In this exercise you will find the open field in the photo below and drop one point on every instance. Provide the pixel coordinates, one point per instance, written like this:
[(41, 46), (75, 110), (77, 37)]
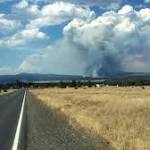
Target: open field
[(119, 115)]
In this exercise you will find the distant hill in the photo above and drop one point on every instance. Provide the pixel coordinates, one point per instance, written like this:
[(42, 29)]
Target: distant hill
[(117, 75), (50, 77), (131, 75), (36, 77)]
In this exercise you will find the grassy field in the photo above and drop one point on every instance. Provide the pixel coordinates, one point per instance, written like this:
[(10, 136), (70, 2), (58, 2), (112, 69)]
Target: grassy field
[(120, 115)]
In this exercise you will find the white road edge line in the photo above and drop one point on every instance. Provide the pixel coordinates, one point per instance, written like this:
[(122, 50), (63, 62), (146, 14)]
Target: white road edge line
[(16, 139)]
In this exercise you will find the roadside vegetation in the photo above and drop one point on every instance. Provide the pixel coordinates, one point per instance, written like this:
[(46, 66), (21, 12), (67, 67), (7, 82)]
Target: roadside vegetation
[(3, 91), (49, 129), (120, 115)]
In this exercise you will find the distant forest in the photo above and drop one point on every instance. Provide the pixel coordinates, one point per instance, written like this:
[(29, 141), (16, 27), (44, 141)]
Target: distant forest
[(74, 83)]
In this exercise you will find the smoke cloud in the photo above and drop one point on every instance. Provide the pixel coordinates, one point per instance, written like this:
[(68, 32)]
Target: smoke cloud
[(114, 42)]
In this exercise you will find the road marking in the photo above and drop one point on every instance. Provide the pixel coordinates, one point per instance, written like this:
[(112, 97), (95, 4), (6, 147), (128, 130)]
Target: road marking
[(17, 134)]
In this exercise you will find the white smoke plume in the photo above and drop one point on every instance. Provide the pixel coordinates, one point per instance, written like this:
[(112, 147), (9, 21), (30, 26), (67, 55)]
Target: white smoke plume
[(113, 42)]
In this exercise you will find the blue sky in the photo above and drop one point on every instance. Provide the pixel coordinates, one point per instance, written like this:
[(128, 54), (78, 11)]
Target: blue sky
[(73, 37)]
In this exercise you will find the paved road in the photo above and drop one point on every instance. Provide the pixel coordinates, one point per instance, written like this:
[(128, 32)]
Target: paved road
[(10, 106)]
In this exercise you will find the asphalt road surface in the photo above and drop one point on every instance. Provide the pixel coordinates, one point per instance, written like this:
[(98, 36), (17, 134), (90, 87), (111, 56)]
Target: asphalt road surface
[(10, 107)]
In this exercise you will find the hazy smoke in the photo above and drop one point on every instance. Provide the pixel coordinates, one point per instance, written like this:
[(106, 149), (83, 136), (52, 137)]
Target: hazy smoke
[(111, 43)]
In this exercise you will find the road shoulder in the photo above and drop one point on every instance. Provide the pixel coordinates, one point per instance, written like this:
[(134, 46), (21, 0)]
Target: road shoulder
[(50, 130)]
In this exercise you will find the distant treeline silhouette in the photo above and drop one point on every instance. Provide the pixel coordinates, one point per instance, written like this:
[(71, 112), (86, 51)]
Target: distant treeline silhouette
[(74, 83)]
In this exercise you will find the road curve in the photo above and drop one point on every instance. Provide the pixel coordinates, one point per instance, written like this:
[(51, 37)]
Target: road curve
[(10, 107)]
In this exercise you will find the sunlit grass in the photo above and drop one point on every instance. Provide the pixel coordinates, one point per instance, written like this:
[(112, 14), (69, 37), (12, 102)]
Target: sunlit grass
[(121, 115)]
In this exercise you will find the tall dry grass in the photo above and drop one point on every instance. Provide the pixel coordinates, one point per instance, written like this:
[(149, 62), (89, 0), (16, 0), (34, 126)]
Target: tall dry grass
[(120, 115)]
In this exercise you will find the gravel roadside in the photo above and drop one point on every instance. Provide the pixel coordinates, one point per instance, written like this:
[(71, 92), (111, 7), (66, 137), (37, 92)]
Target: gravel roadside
[(49, 130)]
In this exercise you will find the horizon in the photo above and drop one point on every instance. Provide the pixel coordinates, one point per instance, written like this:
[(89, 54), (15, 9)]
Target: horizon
[(84, 76)]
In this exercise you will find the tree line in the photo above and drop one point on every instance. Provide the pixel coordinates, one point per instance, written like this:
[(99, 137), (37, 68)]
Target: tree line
[(74, 83)]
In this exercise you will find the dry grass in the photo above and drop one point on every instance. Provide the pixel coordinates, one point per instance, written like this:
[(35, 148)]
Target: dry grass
[(120, 115), (49, 129)]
